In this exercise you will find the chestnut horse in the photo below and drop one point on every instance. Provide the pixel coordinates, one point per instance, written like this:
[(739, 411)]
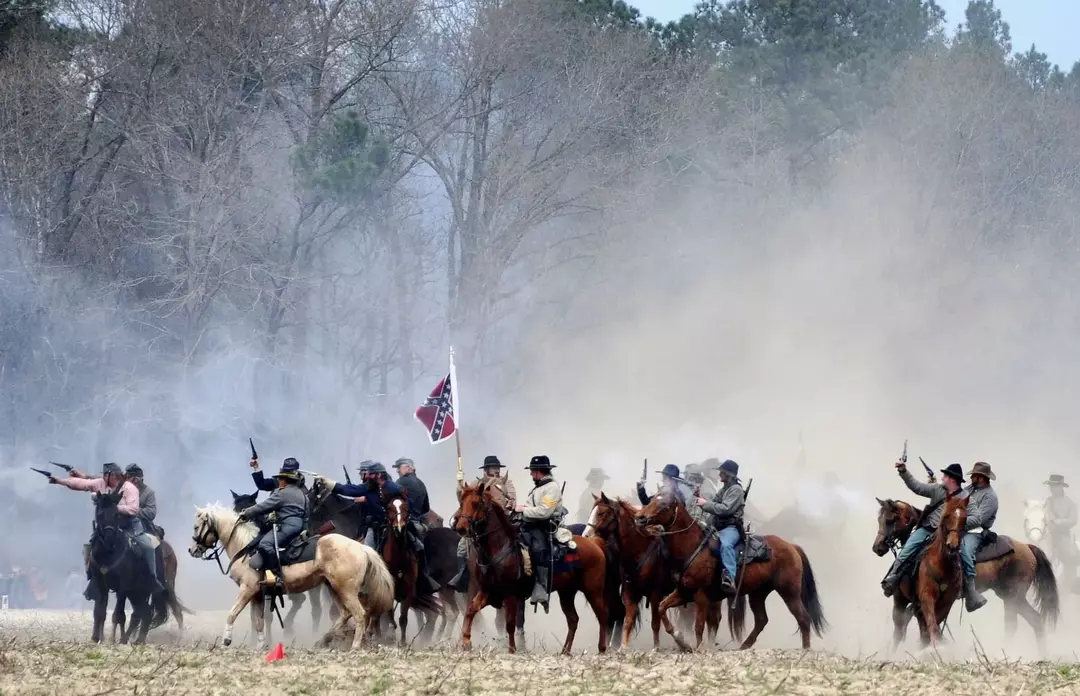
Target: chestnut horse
[(643, 574), (498, 566), (787, 571), (404, 565), (1010, 577)]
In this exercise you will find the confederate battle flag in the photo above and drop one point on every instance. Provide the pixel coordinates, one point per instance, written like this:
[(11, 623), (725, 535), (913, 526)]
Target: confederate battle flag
[(437, 413)]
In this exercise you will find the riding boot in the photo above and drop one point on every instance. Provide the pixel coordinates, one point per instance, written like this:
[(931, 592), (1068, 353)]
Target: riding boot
[(727, 583), (891, 581), (460, 582), (540, 592), (973, 599)]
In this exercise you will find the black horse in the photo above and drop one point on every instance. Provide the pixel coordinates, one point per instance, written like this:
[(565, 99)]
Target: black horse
[(114, 565)]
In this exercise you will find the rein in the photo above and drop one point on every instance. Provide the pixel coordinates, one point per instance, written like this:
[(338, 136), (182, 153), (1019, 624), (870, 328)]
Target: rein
[(477, 531), (214, 549)]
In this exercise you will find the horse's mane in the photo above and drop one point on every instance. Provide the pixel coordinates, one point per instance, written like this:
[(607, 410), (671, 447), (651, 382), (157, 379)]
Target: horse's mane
[(245, 531)]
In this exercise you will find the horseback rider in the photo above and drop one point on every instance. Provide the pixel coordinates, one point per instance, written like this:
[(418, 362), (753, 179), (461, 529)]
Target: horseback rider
[(540, 515), (1060, 521), (951, 481), (112, 481), (268, 485), (704, 478), (286, 507), (982, 510), (727, 511), (702, 489), (417, 496), (368, 494), (147, 501), (595, 480), (501, 489), (671, 483)]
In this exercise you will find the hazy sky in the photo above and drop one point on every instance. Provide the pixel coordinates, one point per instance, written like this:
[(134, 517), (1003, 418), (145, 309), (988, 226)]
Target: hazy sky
[(1049, 24)]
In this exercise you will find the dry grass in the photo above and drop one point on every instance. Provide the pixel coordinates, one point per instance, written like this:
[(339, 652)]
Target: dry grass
[(41, 654)]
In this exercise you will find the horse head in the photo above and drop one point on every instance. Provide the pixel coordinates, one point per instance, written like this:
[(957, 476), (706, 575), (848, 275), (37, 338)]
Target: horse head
[(216, 524), (661, 511), (397, 513), (604, 518), (1035, 520), (242, 501), (896, 519), (953, 519)]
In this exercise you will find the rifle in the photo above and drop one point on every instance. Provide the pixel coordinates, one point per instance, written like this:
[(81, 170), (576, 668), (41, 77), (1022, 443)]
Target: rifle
[(929, 471), (65, 467), (347, 479)]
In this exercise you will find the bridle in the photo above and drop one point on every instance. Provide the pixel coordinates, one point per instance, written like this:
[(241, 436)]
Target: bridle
[(647, 521), (612, 525), (476, 529), (213, 547)]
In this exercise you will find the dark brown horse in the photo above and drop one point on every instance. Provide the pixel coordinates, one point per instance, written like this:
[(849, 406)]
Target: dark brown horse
[(642, 570), (498, 566), (404, 566), (786, 571), (1009, 575)]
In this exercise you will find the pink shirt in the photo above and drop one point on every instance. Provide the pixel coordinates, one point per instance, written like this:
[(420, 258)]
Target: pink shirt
[(129, 500)]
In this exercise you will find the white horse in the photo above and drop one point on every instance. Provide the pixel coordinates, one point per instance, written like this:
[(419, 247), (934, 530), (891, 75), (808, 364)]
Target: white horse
[(358, 579), (1037, 531)]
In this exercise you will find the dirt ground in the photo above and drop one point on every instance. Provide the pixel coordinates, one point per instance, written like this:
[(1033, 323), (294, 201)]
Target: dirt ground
[(48, 653)]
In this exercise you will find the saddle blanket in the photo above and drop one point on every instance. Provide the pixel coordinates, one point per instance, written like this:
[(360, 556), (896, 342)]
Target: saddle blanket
[(755, 549), (992, 547)]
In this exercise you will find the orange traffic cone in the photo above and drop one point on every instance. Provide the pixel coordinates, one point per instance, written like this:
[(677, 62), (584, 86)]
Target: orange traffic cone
[(278, 653)]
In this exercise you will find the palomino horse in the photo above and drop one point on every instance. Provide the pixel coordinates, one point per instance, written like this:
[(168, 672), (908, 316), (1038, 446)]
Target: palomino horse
[(243, 502), (640, 560), (404, 566), (1064, 549), (498, 566), (786, 570), (1010, 576), (359, 580)]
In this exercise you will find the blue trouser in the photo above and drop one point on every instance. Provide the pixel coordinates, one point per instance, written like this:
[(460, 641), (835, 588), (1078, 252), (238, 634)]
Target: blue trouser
[(729, 538), (288, 529), (914, 543), (146, 549), (968, 545), (369, 537)]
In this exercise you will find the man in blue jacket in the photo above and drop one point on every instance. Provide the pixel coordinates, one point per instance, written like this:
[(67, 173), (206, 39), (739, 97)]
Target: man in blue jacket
[(368, 495)]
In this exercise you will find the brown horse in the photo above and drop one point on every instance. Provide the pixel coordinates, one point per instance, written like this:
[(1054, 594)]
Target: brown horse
[(643, 574), (498, 566), (404, 565), (786, 570), (1009, 575)]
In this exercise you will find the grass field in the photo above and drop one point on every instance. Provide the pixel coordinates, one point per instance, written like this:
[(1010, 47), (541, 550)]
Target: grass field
[(48, 654)]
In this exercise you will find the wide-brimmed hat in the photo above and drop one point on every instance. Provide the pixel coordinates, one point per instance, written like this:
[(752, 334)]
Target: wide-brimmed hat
[(492, 460), (730, 467), (596, 474), (1056, 480), (982, 469), (540, 462), (670, 470), (954, 470)]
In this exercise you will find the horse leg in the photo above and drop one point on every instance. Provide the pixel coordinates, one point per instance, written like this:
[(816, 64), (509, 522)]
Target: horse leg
[(142, 613), (675, 599), (242, 600), (1033, 618), (566, 600), (761, 617), (511, 616), (713, 617), (632, 610), (101, 608), (1011, 616), (933, 632), (296, 602), (406, 605), (701, 610), (450, 611), (598, 601), (792, 597), (654, 606), (119, 619), (316, 607), (479, 601), (901, 616)]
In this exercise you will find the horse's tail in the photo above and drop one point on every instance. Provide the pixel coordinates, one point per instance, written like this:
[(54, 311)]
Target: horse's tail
[(378, 584), (737, 616), (810, 597), (1046, 591)]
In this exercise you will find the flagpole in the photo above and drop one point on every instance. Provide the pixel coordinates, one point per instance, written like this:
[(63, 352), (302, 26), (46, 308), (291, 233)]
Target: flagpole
[(457, 412)]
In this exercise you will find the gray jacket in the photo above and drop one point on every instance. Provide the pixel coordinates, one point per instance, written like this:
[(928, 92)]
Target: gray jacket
[(982, 508), (147, 504), (934, 491), (1061, 514), (287, 502), (727, 507)]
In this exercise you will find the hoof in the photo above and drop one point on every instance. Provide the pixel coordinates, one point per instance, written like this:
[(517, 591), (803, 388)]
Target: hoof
[(227, 642)]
